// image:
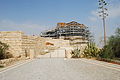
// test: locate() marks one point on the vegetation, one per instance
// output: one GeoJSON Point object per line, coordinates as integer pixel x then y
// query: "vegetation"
{"type": "Point", "coordinates": [109, 52]}
{"type": "Point", "coordinates": [1, 66]}
{"type": "Point", "coordinates": [91, 51]}
{"type": "Point", "coordinates": [75, 53]}
{"type": "Point", "coordinates": [112, 49]}
{"type": "Point", "coordinates": [4, 54]}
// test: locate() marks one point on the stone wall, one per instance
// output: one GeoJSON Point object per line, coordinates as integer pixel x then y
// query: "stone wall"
{"type": "Point", "coordinates": [73, 42]}
{"type": "Point", "coordinates": [58, 42]}
{"type": "Point", "coordinates": [21, 45]}
{"type": "Point", "coordinates": [14, 40]}
{"type": "Point", "coordinates": [10, 61]}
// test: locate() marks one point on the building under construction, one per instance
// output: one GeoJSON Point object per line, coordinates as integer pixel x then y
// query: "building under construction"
{"type": "Point", "coordinates": [76, 34]}
{"type": "Point", "coordinates": [68, 31]}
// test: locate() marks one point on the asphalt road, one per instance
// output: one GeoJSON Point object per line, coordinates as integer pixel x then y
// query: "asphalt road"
{"type": "Point", "coordinates": [61, 69]}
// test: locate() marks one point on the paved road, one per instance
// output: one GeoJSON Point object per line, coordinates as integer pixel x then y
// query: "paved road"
{"type": "Point", "coordinates": [56, 53]}
{"type": "Point", "coordinates": [61, 69]}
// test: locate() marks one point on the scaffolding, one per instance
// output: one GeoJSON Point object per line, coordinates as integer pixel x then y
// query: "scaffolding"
{"type": "Point", "coordinates": [67, 31]}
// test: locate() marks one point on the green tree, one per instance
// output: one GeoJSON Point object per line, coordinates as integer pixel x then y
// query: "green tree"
{"type": "Point", "coordinates": [112, 49]}
{"type": "Point", "coordinates": [4, 51]}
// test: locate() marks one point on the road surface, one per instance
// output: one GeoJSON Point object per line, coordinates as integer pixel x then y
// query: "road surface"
{"type": "Point", "coordinates": [62, 69]}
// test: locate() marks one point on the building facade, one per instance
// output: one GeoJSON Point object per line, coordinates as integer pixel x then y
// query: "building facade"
{"type": "Point", "coordinates": [67, 30]}
{"type": "Point", "coordinates": [76, 33]}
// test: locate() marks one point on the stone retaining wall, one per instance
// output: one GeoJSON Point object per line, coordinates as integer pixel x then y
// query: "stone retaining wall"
{"type": "Point", "coordinates": [21, 44]}
{"type": "Point", "coordinates": [10, 61]}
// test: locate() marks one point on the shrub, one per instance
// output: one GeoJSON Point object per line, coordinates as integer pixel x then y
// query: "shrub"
{"type": "Point", "coordinates": [8, 55]}
{"type": "Point", "coordinates": [4, 51]}
{"type": "Point", "coordinates": [75, 53]}
{"type": "Point", "coordinates": [112, 49]}
{"type": "Point", "coordinates": [91, 50]}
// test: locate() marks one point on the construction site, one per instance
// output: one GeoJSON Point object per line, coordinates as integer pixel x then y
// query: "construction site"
{"type": "Point", "coordinates": [65, 36]}
{"type": "Point", "coordinates": [76, 33]}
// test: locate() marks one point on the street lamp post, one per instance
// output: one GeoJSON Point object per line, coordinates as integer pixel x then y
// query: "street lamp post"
{"type": "Point", "coordinates": [103, 14]}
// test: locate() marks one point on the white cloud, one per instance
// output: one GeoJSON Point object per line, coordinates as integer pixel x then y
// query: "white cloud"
{"type": "Point", "coordinates": [29, 28]}
{"type": "Point", "coordinates": [94, 19]}
{"type": "Point", "coordinates": [6, 23]}
{"type": "Point", "coordinates": [95, 13]}
{"type": "Point", "coordinates": [113, 19]}
{"type": "Point", "coordinates": [113, 10]}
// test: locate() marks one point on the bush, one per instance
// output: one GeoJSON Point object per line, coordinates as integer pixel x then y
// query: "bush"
{"type": "Point", "coordinates": [106, 52]}
{"type": "Point", "coordinates": [112, 49]}
{"type": "Point", "coordinates": [8, 55]}
{"type": "Point", "coordinates": [91, 51]}
{"type": "Point", "coordinates": [4, 54]}
{"type": "Point", "coordinates": [75, 53]}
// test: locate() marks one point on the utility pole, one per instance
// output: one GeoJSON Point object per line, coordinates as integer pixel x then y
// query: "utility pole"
{"type": "Point", "coordinates": [103, 14]}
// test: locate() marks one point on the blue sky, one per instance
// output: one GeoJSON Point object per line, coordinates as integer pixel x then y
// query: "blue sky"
{"type": "Point", "coordinates": [34, 16]}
